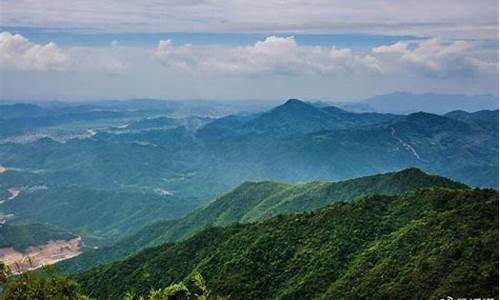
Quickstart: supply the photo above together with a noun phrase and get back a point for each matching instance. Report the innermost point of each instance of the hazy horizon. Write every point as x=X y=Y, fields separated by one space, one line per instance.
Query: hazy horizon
x=270 y=101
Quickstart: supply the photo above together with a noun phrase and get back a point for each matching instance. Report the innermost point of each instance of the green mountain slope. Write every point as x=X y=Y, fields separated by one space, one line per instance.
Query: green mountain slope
x=253 y=201
x=21 y=236
x=101 y=216
x=420 y=245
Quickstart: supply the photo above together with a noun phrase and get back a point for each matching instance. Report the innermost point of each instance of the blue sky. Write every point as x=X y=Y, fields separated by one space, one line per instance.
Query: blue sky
x=211 y=49
x=148 y=39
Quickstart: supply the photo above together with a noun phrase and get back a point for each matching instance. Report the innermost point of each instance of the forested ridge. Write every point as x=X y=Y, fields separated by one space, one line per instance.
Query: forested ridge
x=419 y=245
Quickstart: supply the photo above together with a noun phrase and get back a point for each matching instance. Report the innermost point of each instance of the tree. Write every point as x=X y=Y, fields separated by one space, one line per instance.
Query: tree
x=44 y=286
x=4 y=272
x=179 y=291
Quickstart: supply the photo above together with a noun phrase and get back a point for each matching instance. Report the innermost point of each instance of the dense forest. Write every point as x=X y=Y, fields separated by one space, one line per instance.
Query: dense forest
x=255 y=201
x=419 y=245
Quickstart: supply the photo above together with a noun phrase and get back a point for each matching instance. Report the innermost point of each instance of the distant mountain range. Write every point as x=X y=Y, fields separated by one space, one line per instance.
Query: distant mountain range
x=143 y=167
x=405 y=103
x=328 y=140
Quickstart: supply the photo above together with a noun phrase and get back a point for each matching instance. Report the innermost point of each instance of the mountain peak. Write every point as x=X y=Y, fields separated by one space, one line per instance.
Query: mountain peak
x=297 y=105
x=413 y=171
x=294 y=101
x=425 y=117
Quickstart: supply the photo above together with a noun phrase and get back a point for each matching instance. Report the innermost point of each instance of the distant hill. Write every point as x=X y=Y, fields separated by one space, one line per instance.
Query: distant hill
x=329 y=143
x=254 y=201
x=356 y=107
x=10 y=111
x=159 y=122
x=404 y=103
x=19 y=119
x=297 y=117
x=419 y=245
x=487 y=119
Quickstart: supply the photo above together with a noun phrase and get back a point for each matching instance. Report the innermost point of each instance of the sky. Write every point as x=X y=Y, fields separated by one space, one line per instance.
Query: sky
x=76 y=50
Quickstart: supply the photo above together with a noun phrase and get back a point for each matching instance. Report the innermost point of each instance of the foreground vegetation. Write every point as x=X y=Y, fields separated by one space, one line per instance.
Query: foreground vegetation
x=47 y=285
x=42 y=285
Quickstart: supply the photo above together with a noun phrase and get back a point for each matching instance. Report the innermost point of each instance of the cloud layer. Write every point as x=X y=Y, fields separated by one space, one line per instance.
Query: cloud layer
x=274 y=67
x=283 y=56
x=446 y=18
x=273 y=55
x=431 y=57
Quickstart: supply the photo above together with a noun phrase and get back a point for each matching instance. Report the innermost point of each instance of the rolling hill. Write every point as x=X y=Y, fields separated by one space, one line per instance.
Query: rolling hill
x=255 y=201
x=487 y=119
x=423 y=244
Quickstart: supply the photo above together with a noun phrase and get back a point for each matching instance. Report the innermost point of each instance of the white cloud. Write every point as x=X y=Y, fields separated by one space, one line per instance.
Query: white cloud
x=282 y=55
x=273 y=55
x=370 y=62
x=397 y=48
x=279 y=55
x=172 y=70
x=18 y=53
x=432 y=57
x=175 y=56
